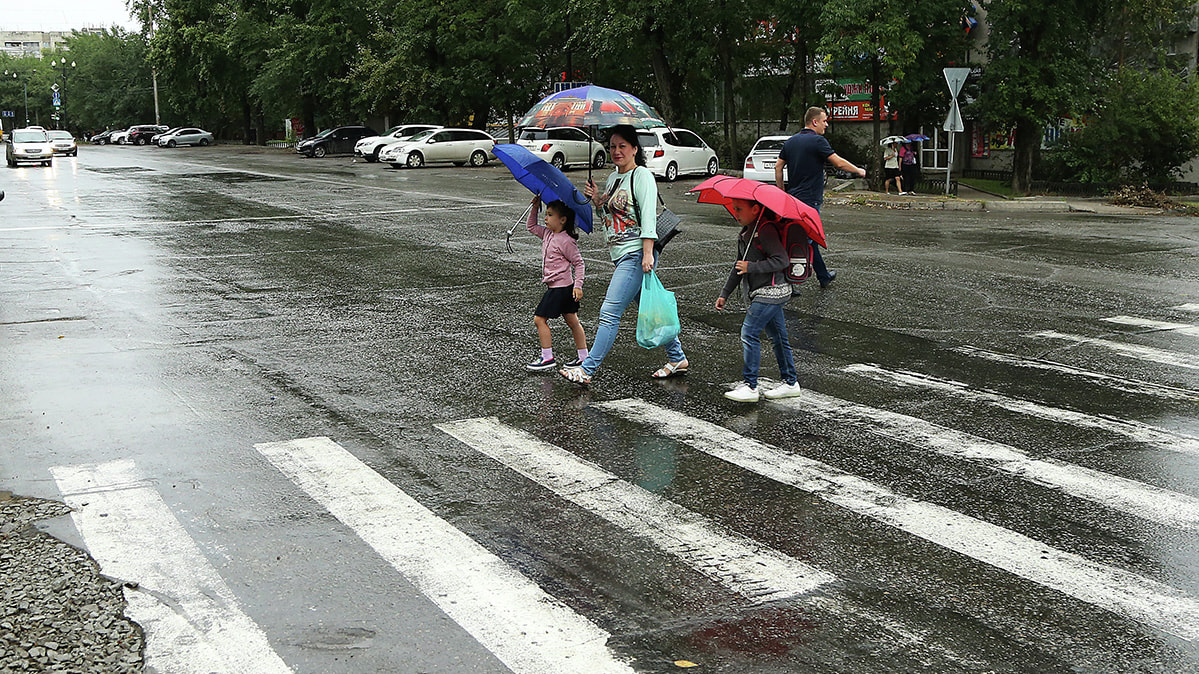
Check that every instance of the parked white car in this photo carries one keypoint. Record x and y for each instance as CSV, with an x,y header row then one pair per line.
x,y
369,148
759,164
63,142
563,146
670,153
119,137
187,135
459,146
29,146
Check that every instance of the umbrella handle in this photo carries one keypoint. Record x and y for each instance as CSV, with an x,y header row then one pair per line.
x,y
512,231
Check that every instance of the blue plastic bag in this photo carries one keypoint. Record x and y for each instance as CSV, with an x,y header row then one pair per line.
x,y
657,314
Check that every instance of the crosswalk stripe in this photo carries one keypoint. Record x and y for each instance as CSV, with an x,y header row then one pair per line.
x,y
1180,328
1116,590
1111,381
1188,307
1146,353
527,629
191,619
1135,498
750,569
1133,430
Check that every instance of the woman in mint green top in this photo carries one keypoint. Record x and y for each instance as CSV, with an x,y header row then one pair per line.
x,y
629,213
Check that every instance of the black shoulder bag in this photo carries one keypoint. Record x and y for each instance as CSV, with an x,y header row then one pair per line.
x,y
668,222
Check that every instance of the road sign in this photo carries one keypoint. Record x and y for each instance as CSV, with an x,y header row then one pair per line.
x,y
956,77
953,123
7,113
54,87
56,99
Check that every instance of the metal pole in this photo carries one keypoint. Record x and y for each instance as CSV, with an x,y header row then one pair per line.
x,y
25,83
949,164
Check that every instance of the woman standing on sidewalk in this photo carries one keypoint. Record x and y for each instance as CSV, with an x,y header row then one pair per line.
x,y
628,211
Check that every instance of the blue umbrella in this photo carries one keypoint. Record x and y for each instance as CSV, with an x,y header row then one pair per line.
x,y
547,182
916,137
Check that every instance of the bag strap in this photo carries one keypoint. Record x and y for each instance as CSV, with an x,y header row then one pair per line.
x,y
633,192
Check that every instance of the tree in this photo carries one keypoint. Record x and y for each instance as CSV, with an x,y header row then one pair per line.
x,y
110,86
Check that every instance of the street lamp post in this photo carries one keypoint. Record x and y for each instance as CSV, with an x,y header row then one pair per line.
x,y
25,83
62,117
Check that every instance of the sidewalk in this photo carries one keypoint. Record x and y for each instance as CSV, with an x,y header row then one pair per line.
x,y
853,192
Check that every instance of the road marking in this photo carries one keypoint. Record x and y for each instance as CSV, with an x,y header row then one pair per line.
x,y
191,619
1180,328
528,630
1147,353
1125,384
1188,307
1122,592
754,571
1133,430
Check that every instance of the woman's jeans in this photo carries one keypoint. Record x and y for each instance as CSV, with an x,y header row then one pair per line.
x,y
768,317
624,287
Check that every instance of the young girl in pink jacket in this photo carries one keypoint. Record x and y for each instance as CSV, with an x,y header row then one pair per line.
x,y
562,273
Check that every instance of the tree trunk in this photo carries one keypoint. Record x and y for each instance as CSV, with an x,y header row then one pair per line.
x,y
876,158
246,125
1027,142
729,99
799,67
672,101
308,114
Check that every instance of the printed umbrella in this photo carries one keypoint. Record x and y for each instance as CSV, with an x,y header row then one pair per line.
x,y
591,106
723,189
893,139
916,137
544,180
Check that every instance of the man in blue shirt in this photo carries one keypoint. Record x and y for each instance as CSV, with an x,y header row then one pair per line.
x,y
805,154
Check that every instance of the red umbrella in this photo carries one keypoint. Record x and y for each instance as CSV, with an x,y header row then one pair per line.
x,y
723,189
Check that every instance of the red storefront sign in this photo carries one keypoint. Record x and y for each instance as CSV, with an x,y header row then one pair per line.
x,y
857,111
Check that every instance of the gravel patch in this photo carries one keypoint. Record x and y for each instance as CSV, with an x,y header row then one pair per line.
x,y
57,613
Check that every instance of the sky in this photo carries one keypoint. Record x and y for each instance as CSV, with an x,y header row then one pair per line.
x,y
65,15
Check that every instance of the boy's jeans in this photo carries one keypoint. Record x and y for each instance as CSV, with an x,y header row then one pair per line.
x,y
624,287
768,317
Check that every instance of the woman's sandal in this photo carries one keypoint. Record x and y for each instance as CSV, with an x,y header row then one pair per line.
x,y
671,370
576,375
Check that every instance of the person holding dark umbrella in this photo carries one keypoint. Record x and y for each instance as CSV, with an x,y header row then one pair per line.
x,y
627,207
805,154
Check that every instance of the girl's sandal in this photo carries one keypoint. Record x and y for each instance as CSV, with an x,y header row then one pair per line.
x,y
671,370
576,375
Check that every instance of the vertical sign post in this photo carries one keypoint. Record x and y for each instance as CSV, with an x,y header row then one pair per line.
x,y
955,77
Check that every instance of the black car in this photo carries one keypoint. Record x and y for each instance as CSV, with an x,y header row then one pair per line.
x,y
102,138
141,135
340,140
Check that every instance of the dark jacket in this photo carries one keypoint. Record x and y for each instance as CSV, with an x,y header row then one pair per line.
x,y
767,259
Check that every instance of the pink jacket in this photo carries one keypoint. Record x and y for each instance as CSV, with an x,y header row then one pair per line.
x,y
560,254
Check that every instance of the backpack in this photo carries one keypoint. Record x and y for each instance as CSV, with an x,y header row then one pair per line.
x,y
799,250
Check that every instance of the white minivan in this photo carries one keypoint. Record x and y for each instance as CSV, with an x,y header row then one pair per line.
x,y
563,146
670,153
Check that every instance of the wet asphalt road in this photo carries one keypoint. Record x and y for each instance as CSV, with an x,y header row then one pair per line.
x,y
986,373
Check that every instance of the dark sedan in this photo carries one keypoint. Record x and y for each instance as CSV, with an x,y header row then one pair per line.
x,y
340,140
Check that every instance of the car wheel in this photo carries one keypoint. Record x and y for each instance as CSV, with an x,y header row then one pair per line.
x,y
140,141
318,151
203,142
172,143
123,141
558,161
713,166
104,141
372,157
598,161
478,158
672,172
416,160
75,153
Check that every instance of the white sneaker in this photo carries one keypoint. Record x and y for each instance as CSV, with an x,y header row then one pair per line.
x,y
743,394
783,391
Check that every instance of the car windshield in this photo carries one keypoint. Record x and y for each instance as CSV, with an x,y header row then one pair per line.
x,y
392,130
324,133
28,136
422,135
170,131
769,144
534,134
59,135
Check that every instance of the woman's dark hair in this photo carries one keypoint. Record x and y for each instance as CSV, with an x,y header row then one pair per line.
x,y
559,207
629,134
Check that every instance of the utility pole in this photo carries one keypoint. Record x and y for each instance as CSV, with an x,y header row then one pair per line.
x,y
154,71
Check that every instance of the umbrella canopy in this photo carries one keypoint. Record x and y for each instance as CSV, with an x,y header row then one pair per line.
x,y
723,189
916,137
547,182
591,106
893,139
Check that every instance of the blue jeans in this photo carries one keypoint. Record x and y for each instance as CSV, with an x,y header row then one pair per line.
x,y
768,317
624,287
817,260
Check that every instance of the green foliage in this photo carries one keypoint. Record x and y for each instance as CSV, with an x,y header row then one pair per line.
x,y
1146,130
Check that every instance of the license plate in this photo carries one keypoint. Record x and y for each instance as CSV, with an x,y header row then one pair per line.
x,y
768,164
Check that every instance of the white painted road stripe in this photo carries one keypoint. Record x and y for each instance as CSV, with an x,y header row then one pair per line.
x,y
1113,589
528,630
1133,430
1180,328
1110,381
1188,307
1135,498
1137,351
754,571
191,619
